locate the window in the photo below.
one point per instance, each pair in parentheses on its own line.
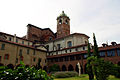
(78,57)
(76,49)
(22,42)
(58,46)
(20,52)
(21,58)
(61,59)
(60,21)
(50,38)
(10,38)
(0,58)
(85,56)
(69,44)
(118,52)
(72,58)
(34,59)
(111,53)
(83,47)
(66,22)
(102,54)
(16,40)
(28,51)
(6,56)
(70,50)
(56,59)
(3,47)
(66,58)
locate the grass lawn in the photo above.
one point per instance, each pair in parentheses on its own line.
(84,77)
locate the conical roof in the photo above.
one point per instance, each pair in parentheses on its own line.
(62,14)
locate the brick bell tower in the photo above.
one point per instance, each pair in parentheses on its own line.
(63,25)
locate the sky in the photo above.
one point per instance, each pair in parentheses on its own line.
(101,17)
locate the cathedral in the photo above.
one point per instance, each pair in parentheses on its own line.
(44,46)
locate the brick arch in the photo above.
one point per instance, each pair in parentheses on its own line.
(64,68)
(70,68)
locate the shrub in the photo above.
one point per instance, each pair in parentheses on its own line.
(22,73)
(65,74)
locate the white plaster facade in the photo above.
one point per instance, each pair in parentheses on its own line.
(78,43)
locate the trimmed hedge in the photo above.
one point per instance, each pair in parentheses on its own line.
(65,74)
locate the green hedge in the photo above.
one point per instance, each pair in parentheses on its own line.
(65,74)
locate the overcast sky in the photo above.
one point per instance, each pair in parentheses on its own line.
(86,16)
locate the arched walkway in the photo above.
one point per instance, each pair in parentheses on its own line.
(10,66)
(119,63)
(70,68)
(64,68)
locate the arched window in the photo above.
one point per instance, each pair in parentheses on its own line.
(60,21)
(69,43)
(6,56)
(66,22)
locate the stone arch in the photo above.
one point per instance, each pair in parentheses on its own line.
(64,68)
(119,63)
(1,64)
(10,66)
(45,68)
(70,68)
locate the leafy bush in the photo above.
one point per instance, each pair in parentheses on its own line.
(116,71)
(22,73)
(65,74)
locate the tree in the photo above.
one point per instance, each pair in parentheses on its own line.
(89,66)
(95,48)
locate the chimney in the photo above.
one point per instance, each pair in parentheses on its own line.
(113,43)
(104,45)
(14,38)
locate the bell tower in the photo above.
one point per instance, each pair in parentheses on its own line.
(63,25)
